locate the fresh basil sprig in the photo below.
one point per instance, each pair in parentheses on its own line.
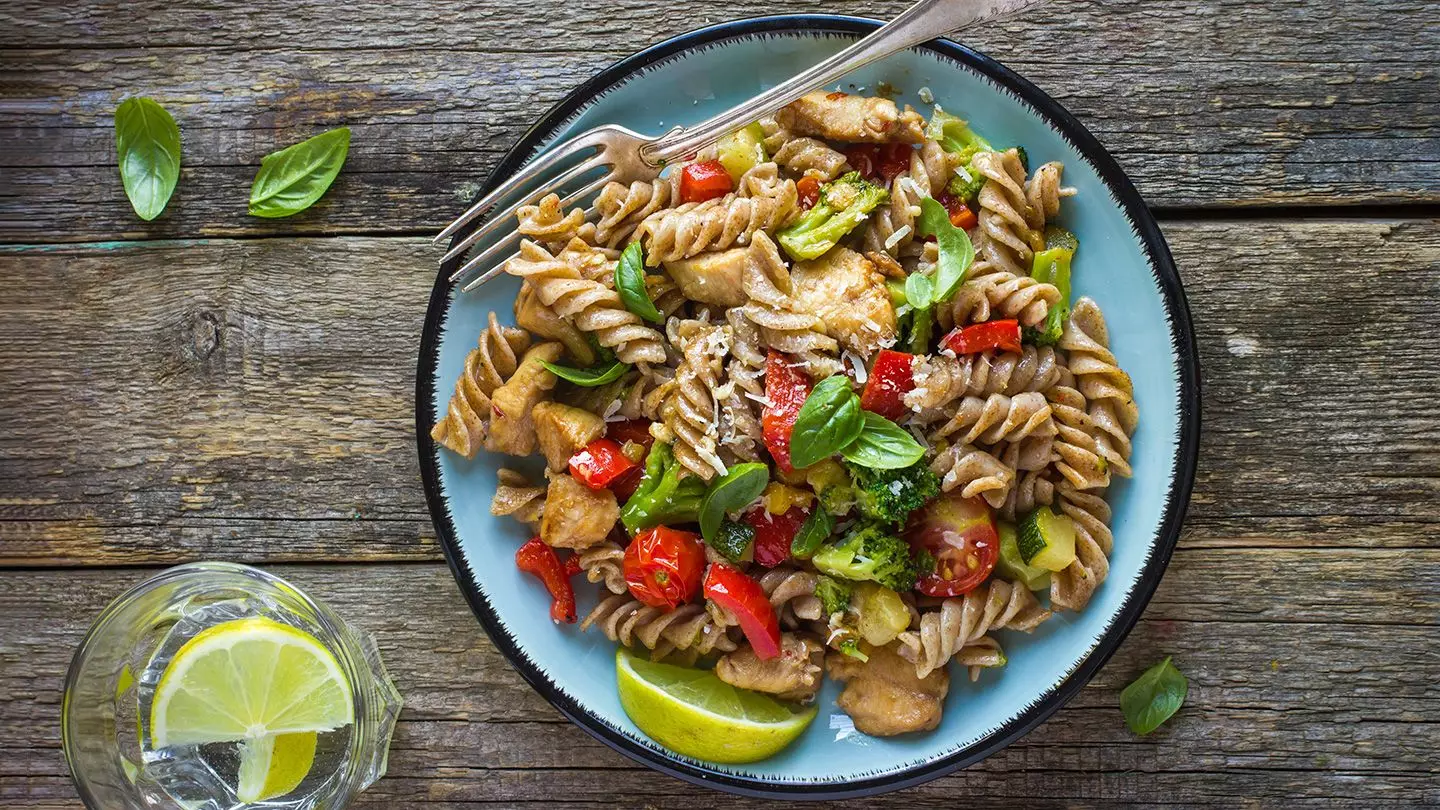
(147,142)
(814,531)
(829,420)
(731,492)
(589,377)
(956,251)
(1154,696)
(883,445)
(630,283)
(292,179)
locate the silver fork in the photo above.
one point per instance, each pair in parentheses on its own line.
(629,156)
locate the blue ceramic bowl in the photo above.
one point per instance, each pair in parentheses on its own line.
(1123,263)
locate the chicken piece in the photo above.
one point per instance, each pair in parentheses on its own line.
(536,318)
(795,674)
(883,695)
(577,516)
(561,430)
(512,428)
(856,119)
(847,293)
(712,278)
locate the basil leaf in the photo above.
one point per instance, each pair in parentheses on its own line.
(883,445)
(829,420)
(731,492)
(919,291)
(147,142)
(630,283)
(291,180)
(588,377)
(1154,696)
(815,530)
(956,251)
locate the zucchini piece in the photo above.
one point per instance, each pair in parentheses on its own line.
(1046,540)
(741,150)
(1013,567)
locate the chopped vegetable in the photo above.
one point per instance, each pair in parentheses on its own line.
(959,534)
(605,372)
(1052,266)
(815,531)
(774,534)
(662,497)
(829,420)
(965,186)
(961,214)
(955,135)
(536,558)
(892,495)
(742,150)
(983,337)
(889,380)
(743,597)
(704,180)
(869,552)
(956,252)
(731,492)
(1046,540)
(780,498)
(630,430)
(1012,566)
(832,486)
(834,594)
(851,647)
(663,567)
(786,388)
(808,189)
(734,541)
(1154,697)
(880,163)
(843,204)
(600,463)
(630,284)
(881,615)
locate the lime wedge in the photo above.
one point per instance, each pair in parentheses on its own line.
(694,713)
(274,765)
(246,679)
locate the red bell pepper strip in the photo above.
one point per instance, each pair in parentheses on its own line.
(600,463)
(982,337)
(728,587)
(774,533)
(809,190)
(880,163)
(572,564)
(541,560)
(786,388)
(890,380)
(630,430)
(703,181)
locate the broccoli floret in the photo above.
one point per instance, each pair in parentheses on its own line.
(966,184)
(869,553)
(832,486)
(843,204)
(891,495)
(834,594)
(851,647)
(955,135)
(662,497)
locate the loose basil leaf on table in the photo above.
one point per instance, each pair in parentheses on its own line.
(589,377)
(956,252)
(731,492)
(292,179)
(630,283)
(1154,697)
(883,445)
(813,532)
(147,142)
(829,420)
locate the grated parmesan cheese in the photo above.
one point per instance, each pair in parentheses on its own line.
(612,409)
(895,238)
(857,363)
(964,175)
(712,459)
(760,399)
(907,184)
(925,95)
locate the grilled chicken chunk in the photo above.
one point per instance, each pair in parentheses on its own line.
(883,695)
(561,430)
(512,430)
(577,516)
(794,674)
(847,293)
(856,119)
(712,278)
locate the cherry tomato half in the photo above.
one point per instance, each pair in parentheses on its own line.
(663,567)
(960,534)
(809,190)
(703,181)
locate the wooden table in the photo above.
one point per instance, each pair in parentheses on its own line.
(214,386)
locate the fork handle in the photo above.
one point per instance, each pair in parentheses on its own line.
(922,22)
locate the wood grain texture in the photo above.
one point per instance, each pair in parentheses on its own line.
(1320,700)
(1210,104)
(252,399)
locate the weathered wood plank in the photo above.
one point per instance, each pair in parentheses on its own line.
(1308,700)
(252,399)
(1333,103)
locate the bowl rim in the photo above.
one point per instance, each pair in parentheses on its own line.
(1177,499)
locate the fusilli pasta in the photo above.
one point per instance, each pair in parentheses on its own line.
(487,366)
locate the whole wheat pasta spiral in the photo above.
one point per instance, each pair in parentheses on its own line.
(546,223)
(1107,388)
(622,208)
(590,305)
(1077,452)
(766,282)
(517,497)
(999,418)
(892,226)
(792,594)
(487,366)
(716,224)
(605,563)
(1032,488)
(974,472)
(691,414)
(688,628)
(964,620)
(812,157)
(1043,191)
(1072,588)
(940,380)
(740,423)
